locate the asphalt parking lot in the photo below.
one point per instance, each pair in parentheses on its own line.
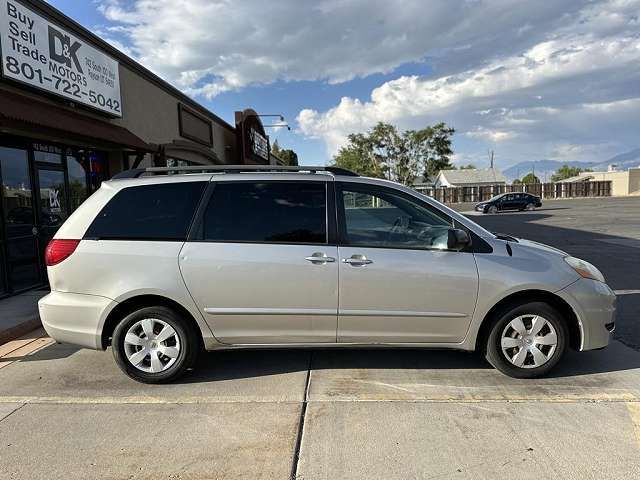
(70,413)
(605,232)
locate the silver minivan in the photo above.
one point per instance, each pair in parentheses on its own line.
(161,265)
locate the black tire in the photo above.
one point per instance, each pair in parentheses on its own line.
(187,335)
(497,358)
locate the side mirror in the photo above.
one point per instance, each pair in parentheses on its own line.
(458,239)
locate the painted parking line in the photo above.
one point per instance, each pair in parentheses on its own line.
(626,292)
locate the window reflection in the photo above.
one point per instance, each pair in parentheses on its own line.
(77,182)
(48,157)
(16,187)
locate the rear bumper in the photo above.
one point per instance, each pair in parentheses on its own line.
(75,318)
(595,305)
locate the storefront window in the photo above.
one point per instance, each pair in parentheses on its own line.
(21,263)
(40,185)
(16,187)
(47,153)
(77,182)
(97,162)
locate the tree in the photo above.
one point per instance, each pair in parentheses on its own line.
(439,148)
(530,178)
(358,156)
(383,152)
(566,171)
(288,156)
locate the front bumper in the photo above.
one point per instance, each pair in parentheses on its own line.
(75,318)
(595,306)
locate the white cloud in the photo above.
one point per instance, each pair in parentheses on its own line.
(491,135)
(589,65)
(527,76)
(209,47)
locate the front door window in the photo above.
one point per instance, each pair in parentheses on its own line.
(382,218)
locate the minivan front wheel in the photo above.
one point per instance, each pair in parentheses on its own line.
(527,341)
(154,345)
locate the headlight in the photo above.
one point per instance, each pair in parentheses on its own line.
(584,269)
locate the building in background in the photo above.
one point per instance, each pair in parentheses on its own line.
(470,178)
(73,112)
(623,183)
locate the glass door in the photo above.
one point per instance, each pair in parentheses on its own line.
(52,202)
(20,236)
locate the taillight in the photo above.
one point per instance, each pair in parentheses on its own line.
(58,250)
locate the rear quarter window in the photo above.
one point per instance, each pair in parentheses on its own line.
(148,212)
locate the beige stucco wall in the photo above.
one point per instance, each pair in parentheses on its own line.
(622,183)
(151,113)
(634,181)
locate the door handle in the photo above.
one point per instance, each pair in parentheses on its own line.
(319,258)
(357,260)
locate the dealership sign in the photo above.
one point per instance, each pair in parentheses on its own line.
(259,144)
(43,55)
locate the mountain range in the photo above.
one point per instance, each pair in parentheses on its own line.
(546,168)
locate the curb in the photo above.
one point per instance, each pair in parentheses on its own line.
(21,329)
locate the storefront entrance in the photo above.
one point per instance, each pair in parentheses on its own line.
(41,185)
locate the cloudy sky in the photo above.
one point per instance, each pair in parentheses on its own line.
(529,79)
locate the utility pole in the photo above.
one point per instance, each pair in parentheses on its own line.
(491,158)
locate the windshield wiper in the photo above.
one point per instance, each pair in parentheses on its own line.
(508,238)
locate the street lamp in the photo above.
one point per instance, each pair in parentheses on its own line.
(281,117)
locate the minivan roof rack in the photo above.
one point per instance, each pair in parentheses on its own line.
(138,172)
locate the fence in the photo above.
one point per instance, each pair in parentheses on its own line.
(542,190)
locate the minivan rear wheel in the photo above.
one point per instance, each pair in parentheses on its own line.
(527,341)
(154,345)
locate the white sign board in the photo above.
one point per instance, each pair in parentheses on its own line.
(43,55)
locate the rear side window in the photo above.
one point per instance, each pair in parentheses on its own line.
(269,212)
(148,212)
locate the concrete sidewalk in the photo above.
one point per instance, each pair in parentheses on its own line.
(19,314)
(291,414)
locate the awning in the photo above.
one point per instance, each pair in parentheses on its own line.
(29,116)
